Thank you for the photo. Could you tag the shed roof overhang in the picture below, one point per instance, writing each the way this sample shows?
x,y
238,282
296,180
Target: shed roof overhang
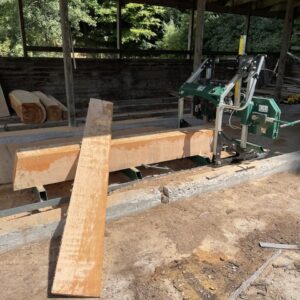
x,y
263,8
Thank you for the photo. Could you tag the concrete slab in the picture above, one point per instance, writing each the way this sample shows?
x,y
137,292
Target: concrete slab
x,y
232,175
18,232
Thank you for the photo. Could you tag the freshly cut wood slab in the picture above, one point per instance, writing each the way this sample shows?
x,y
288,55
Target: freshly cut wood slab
x,y
42,166
28,107
4,112
54,112
80,260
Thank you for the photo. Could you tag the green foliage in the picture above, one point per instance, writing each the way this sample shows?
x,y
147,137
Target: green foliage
x,y
93,24
10,40
143,25
222,31
42,22
175,32
265,34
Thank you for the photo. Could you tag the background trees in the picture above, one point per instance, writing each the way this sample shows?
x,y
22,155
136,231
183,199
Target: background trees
x,y
93,24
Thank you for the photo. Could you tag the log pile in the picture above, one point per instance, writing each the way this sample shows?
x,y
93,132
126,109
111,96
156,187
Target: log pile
x,y
36,107
28,107
54,112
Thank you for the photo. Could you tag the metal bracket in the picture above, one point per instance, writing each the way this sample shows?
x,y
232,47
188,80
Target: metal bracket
x,y
255,147
133,173
217,157
41,193
29,208
200,160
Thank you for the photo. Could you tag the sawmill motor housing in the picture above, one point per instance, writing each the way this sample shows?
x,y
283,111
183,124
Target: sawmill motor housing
x,y
257,115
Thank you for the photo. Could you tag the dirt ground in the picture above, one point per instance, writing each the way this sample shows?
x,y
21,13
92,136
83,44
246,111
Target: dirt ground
x,y
200,248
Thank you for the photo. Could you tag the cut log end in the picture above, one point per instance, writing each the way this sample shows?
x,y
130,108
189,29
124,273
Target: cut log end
x,y
32,113
54,113
28,107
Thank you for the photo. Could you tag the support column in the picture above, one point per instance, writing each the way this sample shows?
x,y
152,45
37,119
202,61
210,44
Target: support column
x,y
285,44
247,29
199,33
119,26
22,27
191,32
68,69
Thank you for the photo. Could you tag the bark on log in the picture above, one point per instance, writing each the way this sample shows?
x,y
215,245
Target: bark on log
x,y
54,112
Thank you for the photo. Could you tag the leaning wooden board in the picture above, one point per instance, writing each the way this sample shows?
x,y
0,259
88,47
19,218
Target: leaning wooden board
x,y
79,266
42,166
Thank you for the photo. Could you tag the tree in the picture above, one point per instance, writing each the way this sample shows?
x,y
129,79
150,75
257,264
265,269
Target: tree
x,y
143,25
175,31
265,34
10,39
93,24
222,31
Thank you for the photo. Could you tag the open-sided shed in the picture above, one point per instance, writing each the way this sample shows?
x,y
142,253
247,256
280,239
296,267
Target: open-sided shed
x,y
287,9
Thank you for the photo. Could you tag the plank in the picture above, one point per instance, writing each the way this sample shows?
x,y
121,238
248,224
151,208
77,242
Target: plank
x,y
246,284
16,140
80,260
54,112
279,246
41,166
28,107
4,112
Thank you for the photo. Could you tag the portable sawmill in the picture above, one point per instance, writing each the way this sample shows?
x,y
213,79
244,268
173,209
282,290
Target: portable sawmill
x,y
212,99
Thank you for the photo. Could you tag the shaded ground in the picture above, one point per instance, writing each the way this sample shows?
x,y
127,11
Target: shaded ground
x,y
201,248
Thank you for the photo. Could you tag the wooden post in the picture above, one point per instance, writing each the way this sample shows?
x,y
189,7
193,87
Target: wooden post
x,y
67,48
191,32
22,27
199,33
285,44
247,29
119,26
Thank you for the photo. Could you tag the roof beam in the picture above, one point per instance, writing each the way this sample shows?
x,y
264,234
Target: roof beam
x,y
188,4
214,6
238,3
267,3
282,6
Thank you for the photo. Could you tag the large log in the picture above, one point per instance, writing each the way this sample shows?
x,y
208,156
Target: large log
x,y
28,107
42,166
54,112
79,266
63,108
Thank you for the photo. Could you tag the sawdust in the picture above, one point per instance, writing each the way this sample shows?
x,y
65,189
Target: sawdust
x,y
201,248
